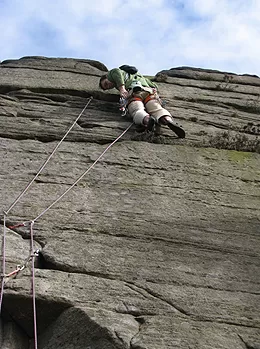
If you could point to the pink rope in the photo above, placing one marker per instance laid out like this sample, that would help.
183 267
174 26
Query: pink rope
33 288
3 263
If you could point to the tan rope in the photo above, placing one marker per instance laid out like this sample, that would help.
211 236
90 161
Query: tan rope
3 263
48 159
33 287
76 182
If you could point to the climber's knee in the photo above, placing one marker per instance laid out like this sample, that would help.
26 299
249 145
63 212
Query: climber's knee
139 117
137 111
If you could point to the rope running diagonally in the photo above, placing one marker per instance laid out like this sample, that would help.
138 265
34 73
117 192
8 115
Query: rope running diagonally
76 182
15 202
45 163
40 215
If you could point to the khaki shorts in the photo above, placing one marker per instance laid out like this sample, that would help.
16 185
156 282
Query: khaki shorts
139 111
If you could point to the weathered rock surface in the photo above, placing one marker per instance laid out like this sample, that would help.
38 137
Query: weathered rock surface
156 247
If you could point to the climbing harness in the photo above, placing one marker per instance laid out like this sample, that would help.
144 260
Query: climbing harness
149 98
124 102
35 253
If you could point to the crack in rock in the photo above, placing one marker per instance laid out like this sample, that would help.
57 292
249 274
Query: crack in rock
249 345
148 293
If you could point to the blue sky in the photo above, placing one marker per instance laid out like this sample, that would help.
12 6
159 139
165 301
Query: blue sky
152 35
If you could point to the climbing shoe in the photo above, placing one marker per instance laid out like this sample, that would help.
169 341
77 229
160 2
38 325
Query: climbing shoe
176 129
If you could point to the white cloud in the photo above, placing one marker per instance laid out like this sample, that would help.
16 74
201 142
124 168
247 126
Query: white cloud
153 35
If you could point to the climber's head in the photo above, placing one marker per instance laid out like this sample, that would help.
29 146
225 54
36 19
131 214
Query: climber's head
105 84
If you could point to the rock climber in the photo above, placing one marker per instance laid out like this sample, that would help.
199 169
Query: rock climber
142 97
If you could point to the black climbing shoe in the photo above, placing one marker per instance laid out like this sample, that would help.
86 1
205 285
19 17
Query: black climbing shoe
176 129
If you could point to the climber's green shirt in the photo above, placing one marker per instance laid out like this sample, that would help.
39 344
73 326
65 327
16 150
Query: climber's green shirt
120 77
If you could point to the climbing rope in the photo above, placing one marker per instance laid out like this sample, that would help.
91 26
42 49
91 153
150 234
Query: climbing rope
48 159
3 263
75 183
33 287
33 255
87 171
19 267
